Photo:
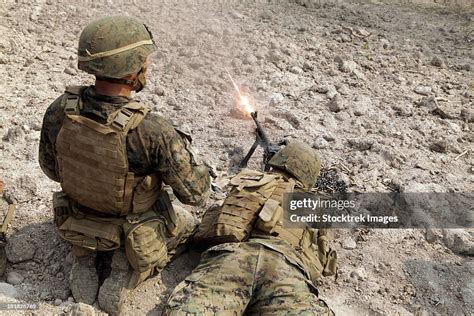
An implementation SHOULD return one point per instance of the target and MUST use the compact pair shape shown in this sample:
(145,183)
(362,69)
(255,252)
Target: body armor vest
(93,163)
(254,209)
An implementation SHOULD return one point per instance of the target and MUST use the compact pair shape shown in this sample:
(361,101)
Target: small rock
(320,143)
(349,244)
(57,302)
(423,90)
(249,59)
(361,106)
(336,104)
(276,98)
(467,293)
(14,134)
(81,309)
(70,71)
(439,145)
(307,66)
(467,115)
(359,274)
(361,144)
(266,16)
(8,290)
(466,67)
(433,235)
(70,299)
(385,43)
(329,137)
(296,70)
(14,278)
(437,62)
(160,91)
(459,241)
(20,248)
(322,88)
(346,66)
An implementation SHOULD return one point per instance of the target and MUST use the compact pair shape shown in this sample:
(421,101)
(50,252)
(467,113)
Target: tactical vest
(254,209)
(92,159)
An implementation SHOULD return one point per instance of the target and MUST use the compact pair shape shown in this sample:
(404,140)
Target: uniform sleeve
(52,122)
(180,167)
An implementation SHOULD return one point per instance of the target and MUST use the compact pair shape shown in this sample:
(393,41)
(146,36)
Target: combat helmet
(299,160)
(114,47)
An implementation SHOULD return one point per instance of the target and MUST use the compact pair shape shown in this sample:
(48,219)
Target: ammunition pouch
(89,232)
(145,245)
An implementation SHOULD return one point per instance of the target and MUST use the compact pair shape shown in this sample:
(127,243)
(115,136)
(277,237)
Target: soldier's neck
(112,89)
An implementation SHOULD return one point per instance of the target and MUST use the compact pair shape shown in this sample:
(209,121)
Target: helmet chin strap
(137,84)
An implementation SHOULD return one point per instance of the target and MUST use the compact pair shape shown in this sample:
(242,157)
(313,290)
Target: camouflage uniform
(112,158)
(249,277)
(155,146)
(266,269)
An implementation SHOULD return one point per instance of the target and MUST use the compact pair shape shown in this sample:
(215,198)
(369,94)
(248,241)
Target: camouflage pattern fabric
(153,147)
(114,46)
(249,277)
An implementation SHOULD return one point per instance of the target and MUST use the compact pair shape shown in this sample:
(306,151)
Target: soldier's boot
(116,286)
(83,279)
(185,226)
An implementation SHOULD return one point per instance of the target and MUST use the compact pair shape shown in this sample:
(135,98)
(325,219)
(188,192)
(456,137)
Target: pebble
(81,309)
(336,104)
(276,98)
(14,278)
(439,145)
(459,241)
(385,43)
(359,274)
(14,134)
(320,143)
(423,90)
(296,70)
(361,106)
(57,302)
(437,62)
(249,59)
(346,66)
(349,243)
(70,71)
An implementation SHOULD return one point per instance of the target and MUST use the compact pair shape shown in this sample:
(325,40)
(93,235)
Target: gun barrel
(260,130)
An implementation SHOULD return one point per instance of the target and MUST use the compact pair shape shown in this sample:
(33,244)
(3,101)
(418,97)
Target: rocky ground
(384,91)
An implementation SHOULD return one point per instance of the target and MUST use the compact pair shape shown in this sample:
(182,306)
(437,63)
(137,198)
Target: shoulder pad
(252,178)
(77,90)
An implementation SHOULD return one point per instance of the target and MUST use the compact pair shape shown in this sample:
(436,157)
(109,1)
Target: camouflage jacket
(154,146)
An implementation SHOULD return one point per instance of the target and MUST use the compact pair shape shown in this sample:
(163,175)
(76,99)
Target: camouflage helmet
(299,160)
(114,47)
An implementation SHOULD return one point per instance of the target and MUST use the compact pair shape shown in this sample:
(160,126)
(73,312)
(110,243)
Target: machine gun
(261,139)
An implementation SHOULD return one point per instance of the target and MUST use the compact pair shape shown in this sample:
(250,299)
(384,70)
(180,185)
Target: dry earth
(384,92)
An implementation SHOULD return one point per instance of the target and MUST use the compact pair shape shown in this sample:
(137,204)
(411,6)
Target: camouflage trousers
(248,277)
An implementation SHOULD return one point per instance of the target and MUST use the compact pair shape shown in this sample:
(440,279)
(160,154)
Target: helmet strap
(127,82)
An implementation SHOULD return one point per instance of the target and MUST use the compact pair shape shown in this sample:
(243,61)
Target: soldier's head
(115,49)
(300,161)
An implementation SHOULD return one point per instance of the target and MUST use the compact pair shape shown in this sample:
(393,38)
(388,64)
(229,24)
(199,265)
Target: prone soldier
(258,266)
(112,158)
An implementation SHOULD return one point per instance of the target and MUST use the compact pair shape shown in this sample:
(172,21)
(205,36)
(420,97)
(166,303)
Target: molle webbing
(233,221)
(92,158)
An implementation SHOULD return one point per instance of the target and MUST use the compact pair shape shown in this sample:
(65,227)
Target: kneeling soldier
(112,158)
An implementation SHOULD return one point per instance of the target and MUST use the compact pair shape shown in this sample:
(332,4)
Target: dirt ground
(384,91)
